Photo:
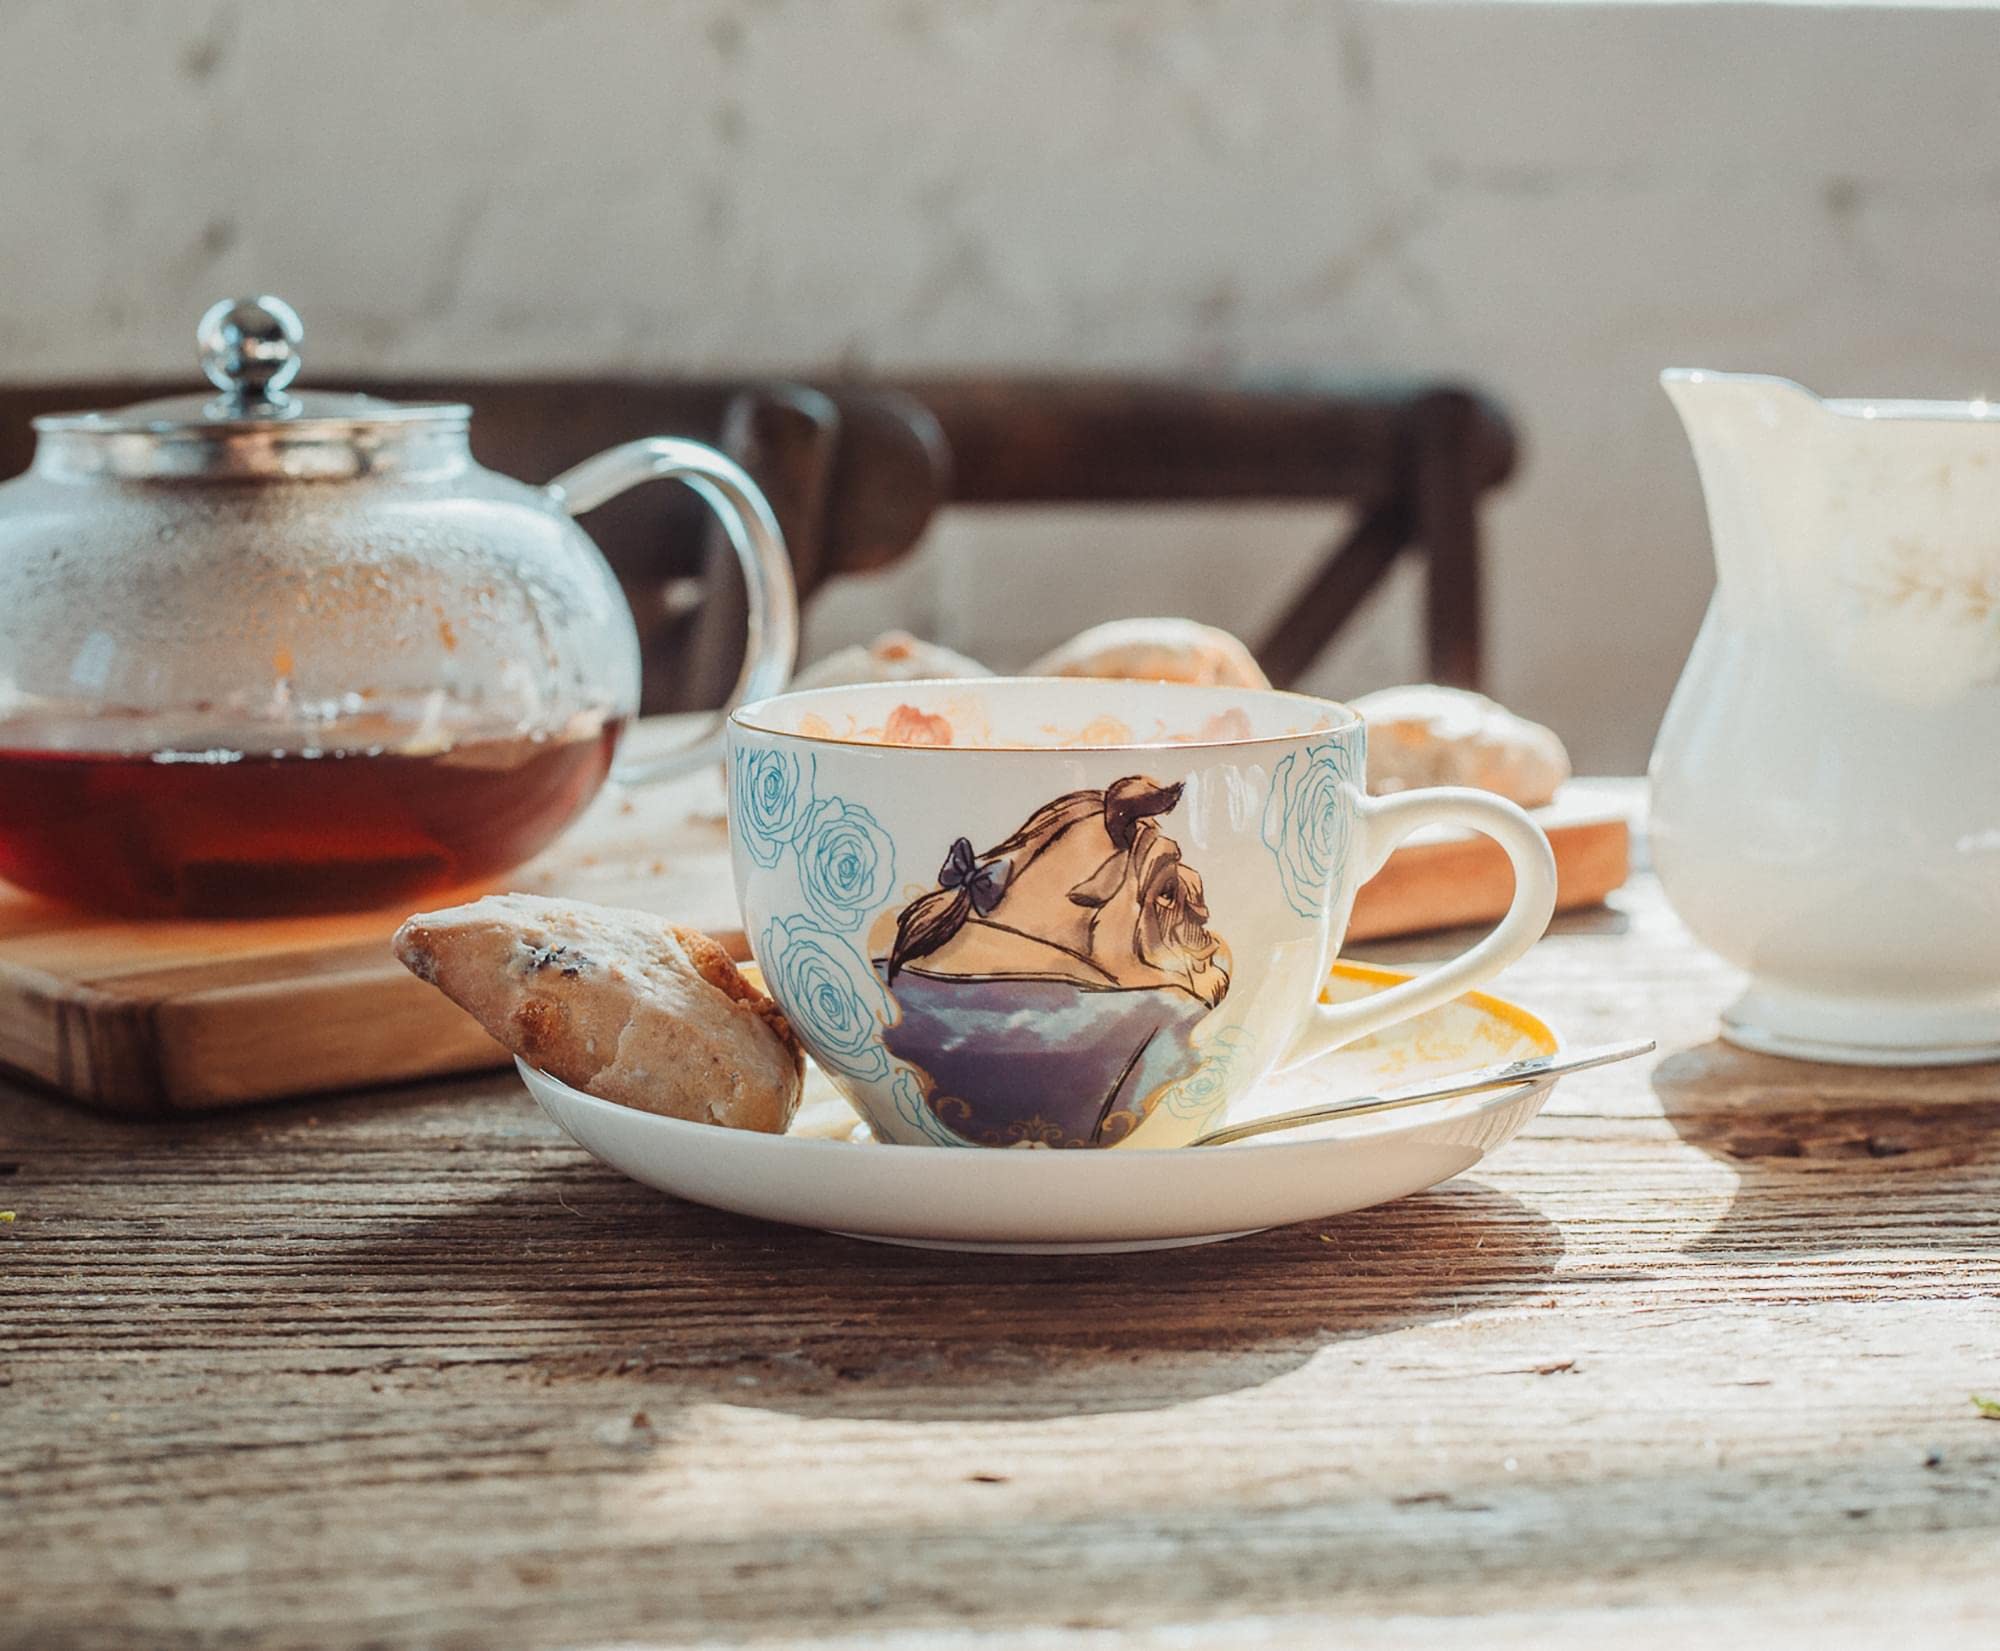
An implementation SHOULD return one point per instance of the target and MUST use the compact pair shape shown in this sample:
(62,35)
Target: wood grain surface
(1687,1364)
(148,1018)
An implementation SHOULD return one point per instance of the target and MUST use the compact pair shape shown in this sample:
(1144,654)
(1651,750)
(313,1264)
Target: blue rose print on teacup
(847,864)
(771,796)
(1203,1092)
(1307,819)
(833,998)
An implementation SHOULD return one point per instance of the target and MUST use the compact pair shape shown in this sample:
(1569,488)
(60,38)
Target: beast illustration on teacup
(1167,874)
(1049,988)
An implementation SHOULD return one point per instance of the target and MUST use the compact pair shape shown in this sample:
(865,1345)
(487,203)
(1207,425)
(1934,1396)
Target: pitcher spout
(1755,441)
(1746,411)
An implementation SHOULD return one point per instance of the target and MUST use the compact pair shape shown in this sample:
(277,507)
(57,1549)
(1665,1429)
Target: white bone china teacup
(1063,913)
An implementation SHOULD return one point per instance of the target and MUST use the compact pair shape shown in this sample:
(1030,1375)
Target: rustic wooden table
(1690,1362)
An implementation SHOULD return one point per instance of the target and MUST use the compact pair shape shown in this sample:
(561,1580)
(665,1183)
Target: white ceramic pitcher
(1826,786)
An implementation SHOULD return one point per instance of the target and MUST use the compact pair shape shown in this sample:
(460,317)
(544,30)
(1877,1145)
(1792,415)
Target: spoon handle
(1466,1083)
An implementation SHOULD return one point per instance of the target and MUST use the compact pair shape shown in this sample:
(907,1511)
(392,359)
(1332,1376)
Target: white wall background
(1554,200)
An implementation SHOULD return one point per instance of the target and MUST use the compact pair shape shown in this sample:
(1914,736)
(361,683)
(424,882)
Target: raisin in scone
(619,1003)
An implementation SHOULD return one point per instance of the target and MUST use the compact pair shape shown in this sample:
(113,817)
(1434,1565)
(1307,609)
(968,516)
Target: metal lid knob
(250,352)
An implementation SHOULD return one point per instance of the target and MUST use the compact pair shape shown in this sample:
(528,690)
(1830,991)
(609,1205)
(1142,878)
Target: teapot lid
(256,426)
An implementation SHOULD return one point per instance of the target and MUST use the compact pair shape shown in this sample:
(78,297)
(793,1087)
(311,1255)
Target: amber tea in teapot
(225,833)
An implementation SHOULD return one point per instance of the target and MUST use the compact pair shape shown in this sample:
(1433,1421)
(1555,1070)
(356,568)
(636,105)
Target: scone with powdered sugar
(619,1003)
(1424,735)
(1156,650)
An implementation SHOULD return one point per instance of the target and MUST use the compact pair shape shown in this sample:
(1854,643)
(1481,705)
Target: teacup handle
(753,533)
(1386,821)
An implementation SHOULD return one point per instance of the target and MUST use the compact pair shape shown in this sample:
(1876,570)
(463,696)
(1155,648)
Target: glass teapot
(269,652)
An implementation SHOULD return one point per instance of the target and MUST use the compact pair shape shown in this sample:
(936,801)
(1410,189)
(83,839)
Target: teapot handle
(753,533)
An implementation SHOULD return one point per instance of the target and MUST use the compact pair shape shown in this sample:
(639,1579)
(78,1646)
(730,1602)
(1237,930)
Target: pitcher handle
(1385,822)
(753,533)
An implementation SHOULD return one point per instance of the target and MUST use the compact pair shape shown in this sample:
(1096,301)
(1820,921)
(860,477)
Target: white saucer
(1079,1202)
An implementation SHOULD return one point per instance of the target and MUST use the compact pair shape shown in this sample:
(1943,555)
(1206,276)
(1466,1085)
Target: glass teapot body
(254,665)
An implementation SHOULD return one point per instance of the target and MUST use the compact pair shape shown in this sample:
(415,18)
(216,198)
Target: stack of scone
(1417,735)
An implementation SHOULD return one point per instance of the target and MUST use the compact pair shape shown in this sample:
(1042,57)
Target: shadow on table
(1832,1158)
(605,1279)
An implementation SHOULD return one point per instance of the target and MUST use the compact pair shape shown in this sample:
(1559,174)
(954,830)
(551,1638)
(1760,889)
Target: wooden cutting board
(162,1017)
